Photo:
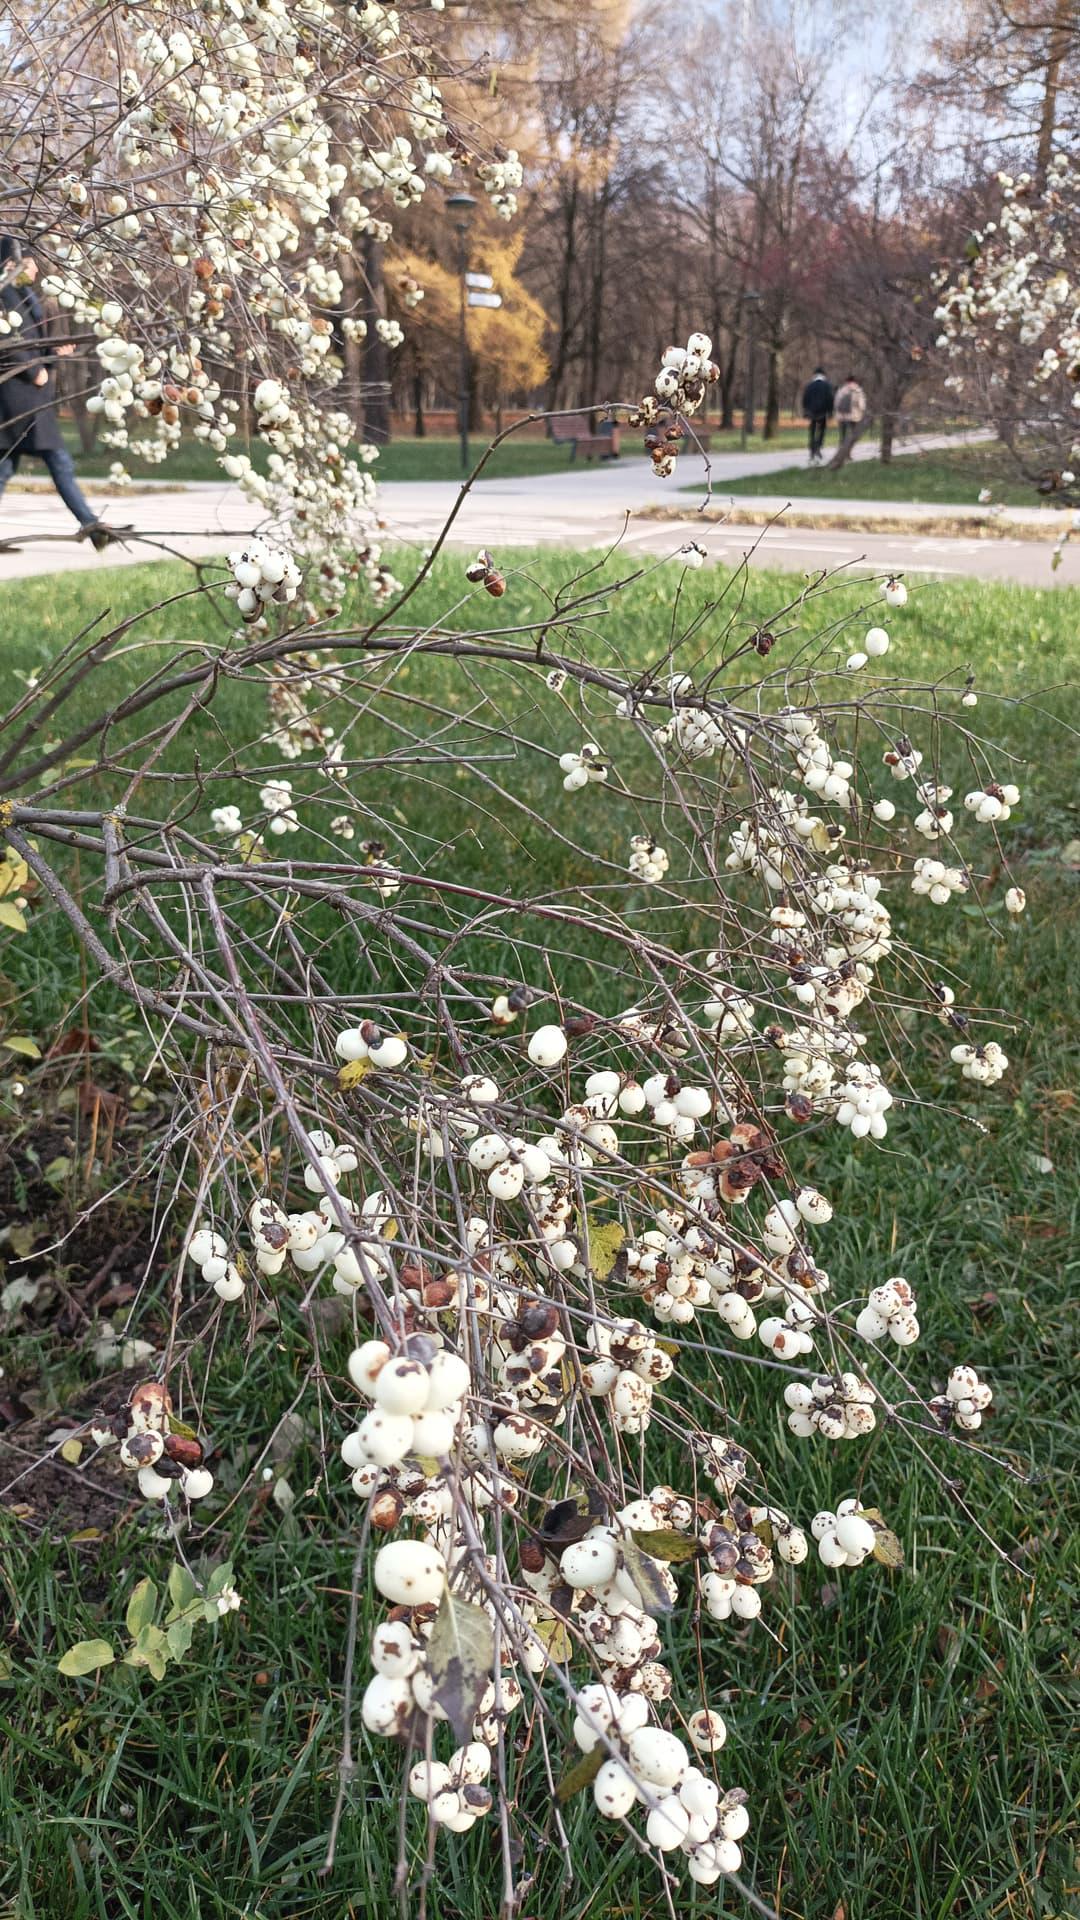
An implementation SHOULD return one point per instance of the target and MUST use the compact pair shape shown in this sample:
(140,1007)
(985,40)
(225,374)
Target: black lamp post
(751,301)
(461,205)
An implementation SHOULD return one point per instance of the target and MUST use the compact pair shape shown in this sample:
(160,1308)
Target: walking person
(817,405)
(850,409)
(28,422)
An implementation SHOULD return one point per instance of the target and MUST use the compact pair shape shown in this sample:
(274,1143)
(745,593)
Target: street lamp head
(461,204)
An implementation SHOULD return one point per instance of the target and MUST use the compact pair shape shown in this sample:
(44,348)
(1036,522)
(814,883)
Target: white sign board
(479,280)
(485,300)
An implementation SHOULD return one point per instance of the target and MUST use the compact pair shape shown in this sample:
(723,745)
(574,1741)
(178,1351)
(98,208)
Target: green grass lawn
(948,478)
(405,458)
(908,1747)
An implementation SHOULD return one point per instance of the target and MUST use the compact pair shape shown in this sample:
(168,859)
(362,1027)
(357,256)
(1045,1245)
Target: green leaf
(151,1649)
(604,1245)
(11,917)
(553,1632)
(219,1579)
(582,1774)
(181,1587)
(460,1657)
(87,1656)
(646,1578)
(181,1427)
(141,1607)
(179,1636)
(663,1543)
(22,1043)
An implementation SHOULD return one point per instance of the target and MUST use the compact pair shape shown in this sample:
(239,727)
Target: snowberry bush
(546,1144)
(195,180)
(1010,324)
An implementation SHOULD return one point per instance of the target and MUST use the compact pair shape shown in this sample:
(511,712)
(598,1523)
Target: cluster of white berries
(890,1310)
(992,804)
(416,1409)
(165,1457)
(985,1064)
(936,820)
(863,1100)
(964,1401)
(648,862)
(686,1809)
(844,1538)
(368,1041)
(937,881)
(579,769)
(837,1408)
(685,375)
(874,647)
(262,574)
(209,1251)
(277,797)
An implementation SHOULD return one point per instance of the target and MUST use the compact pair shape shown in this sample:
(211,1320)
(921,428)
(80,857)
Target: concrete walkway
(586,507)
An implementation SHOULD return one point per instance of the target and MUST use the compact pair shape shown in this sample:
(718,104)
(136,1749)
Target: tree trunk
(843,453)
(419,423)
(564,301)
(376,358)
(888,428)
(728,376)
(352,303)
(772,395)
(595,329)
(1059,38)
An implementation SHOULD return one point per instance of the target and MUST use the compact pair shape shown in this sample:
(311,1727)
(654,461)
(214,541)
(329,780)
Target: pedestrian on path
(850,409)
(28,422)
(817,405)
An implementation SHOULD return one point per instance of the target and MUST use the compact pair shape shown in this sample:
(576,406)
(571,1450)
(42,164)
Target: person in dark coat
(28,422)
(817,405)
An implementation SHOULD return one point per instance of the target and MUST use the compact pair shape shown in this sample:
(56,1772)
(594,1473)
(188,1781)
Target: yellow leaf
(351,1074)
(71,1451)
(604,1245)
(14,872)
(11,917)
(553,1632)
(22,1043)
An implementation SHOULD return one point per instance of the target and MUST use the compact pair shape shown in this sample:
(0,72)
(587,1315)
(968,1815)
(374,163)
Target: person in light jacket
(850,409)
(817,405)
(28,422)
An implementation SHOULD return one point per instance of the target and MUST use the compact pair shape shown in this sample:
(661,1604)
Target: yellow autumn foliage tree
(505,343)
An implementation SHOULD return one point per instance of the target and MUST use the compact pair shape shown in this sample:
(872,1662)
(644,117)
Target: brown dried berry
(184,1449)
(386,1510)
(151,1405)
(539,1319)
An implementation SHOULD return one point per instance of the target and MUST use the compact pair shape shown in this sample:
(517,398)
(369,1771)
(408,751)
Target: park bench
(574,429)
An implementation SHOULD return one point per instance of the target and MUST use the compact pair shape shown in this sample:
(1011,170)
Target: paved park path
(583,507)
